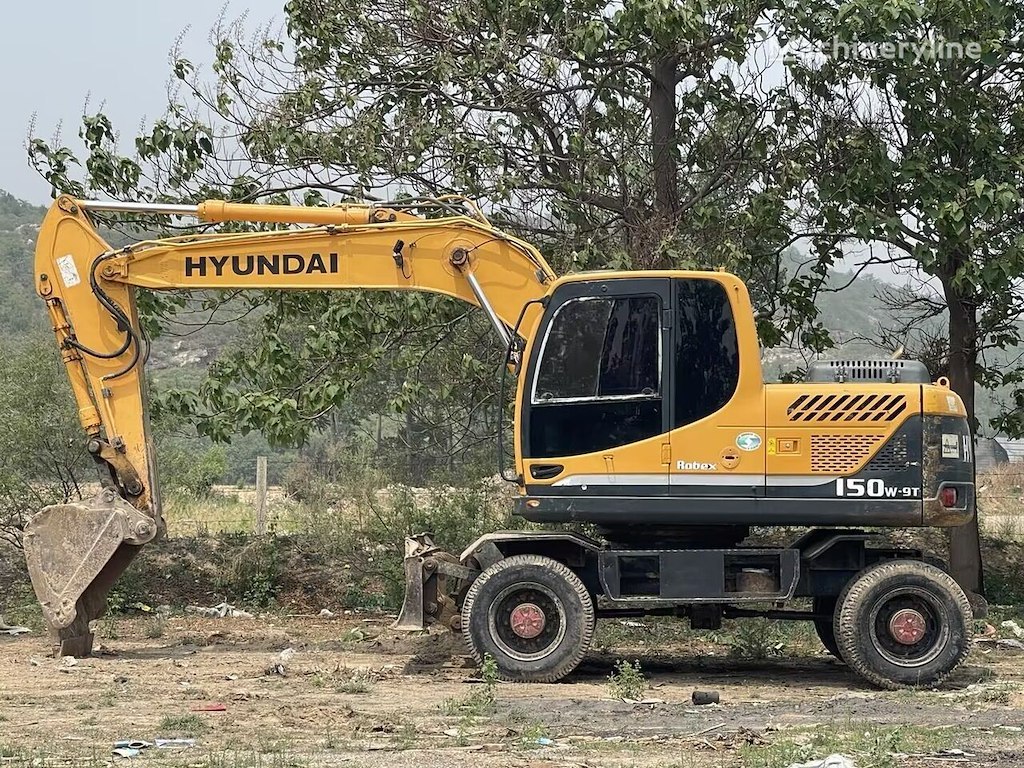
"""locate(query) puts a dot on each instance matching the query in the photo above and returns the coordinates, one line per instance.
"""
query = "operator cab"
(623, 379)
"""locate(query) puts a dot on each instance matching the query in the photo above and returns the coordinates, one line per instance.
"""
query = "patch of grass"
(481, 701)
(533, 732)
(627, 681)
(653, 631)
(755, 638)
(155, 627)
(359, 681)
(866, 743)
(183, 725)
(22, 608)
(406, 736)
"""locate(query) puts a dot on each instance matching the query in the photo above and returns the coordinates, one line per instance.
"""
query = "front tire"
(903, 623)
(532, 615)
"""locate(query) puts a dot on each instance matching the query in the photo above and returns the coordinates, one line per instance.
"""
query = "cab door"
(717, 403)
(594, 411)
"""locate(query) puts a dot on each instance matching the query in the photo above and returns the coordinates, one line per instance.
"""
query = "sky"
(112, 52)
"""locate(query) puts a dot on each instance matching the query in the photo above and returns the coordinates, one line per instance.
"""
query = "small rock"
(1014, 627)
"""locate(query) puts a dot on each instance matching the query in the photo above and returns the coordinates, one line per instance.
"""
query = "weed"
(407, 735)
(359, 681)
(481, 701)
(155, 627)
(627, 681)
(183, 725)
(255, 573)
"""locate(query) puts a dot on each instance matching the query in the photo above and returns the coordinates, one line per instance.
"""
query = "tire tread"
(847, 629)
(570, 578)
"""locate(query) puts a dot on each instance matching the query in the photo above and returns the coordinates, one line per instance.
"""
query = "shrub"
(627, 681)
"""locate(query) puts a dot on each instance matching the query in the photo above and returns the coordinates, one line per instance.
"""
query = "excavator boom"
(76, 551)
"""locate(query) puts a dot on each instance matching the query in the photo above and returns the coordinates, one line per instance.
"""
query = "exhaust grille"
(838, 454)
(891, 457)
(847, 408)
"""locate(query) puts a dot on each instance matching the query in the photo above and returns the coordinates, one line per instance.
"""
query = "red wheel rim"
(527, 620)
(907, 626)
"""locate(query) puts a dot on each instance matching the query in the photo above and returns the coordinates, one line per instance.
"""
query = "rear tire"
(532, 615)
(902, 624)
(825, 627)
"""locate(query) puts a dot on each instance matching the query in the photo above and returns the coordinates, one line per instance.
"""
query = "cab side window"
(707, 365)
(598, 348)
(598, 382)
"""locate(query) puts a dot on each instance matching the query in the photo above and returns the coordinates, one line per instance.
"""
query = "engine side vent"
(891, 457)
(846, 408)
(892, 371)
(839, 454)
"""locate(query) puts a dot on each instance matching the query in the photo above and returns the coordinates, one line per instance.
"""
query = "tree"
(918, 149)
(628, 135)
(42, 453)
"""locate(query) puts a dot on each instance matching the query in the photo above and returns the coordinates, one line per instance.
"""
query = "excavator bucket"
(75, 553)
(434, 580)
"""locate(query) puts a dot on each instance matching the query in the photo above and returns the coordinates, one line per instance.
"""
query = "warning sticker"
(68, 271)
(950, 446)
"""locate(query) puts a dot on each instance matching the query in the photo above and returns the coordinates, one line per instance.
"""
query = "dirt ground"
(353, 693)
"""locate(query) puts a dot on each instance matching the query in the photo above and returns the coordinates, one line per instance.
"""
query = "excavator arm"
(76, 551)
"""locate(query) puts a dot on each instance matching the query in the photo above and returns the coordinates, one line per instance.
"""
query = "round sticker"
(748, 441)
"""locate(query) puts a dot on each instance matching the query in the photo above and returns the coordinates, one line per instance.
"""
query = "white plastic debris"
(175, 743)
(220, 611)
(1014, 627)
(832, 761)
(12, 629)
(279, 665)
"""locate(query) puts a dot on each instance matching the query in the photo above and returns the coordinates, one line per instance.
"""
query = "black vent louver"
(854, 371)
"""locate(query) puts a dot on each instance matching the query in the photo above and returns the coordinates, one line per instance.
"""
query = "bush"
(184, 469)
(255, 573)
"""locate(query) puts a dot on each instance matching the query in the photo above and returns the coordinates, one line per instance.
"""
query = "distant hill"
(21, 311)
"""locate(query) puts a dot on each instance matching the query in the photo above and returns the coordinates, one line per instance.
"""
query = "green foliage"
(627, 681)
(190, 471)
(925, 159)
(42, 456)
(755, 638)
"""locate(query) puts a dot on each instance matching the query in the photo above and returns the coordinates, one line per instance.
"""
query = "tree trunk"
(664, 163)
(965, 541)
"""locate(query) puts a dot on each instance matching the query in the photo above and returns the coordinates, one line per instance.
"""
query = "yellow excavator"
(640, 410)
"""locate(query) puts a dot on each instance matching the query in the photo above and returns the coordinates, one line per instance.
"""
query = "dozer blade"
(434, 579)
(75, 553)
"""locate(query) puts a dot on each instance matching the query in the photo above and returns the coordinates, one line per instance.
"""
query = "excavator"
(641, 416)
